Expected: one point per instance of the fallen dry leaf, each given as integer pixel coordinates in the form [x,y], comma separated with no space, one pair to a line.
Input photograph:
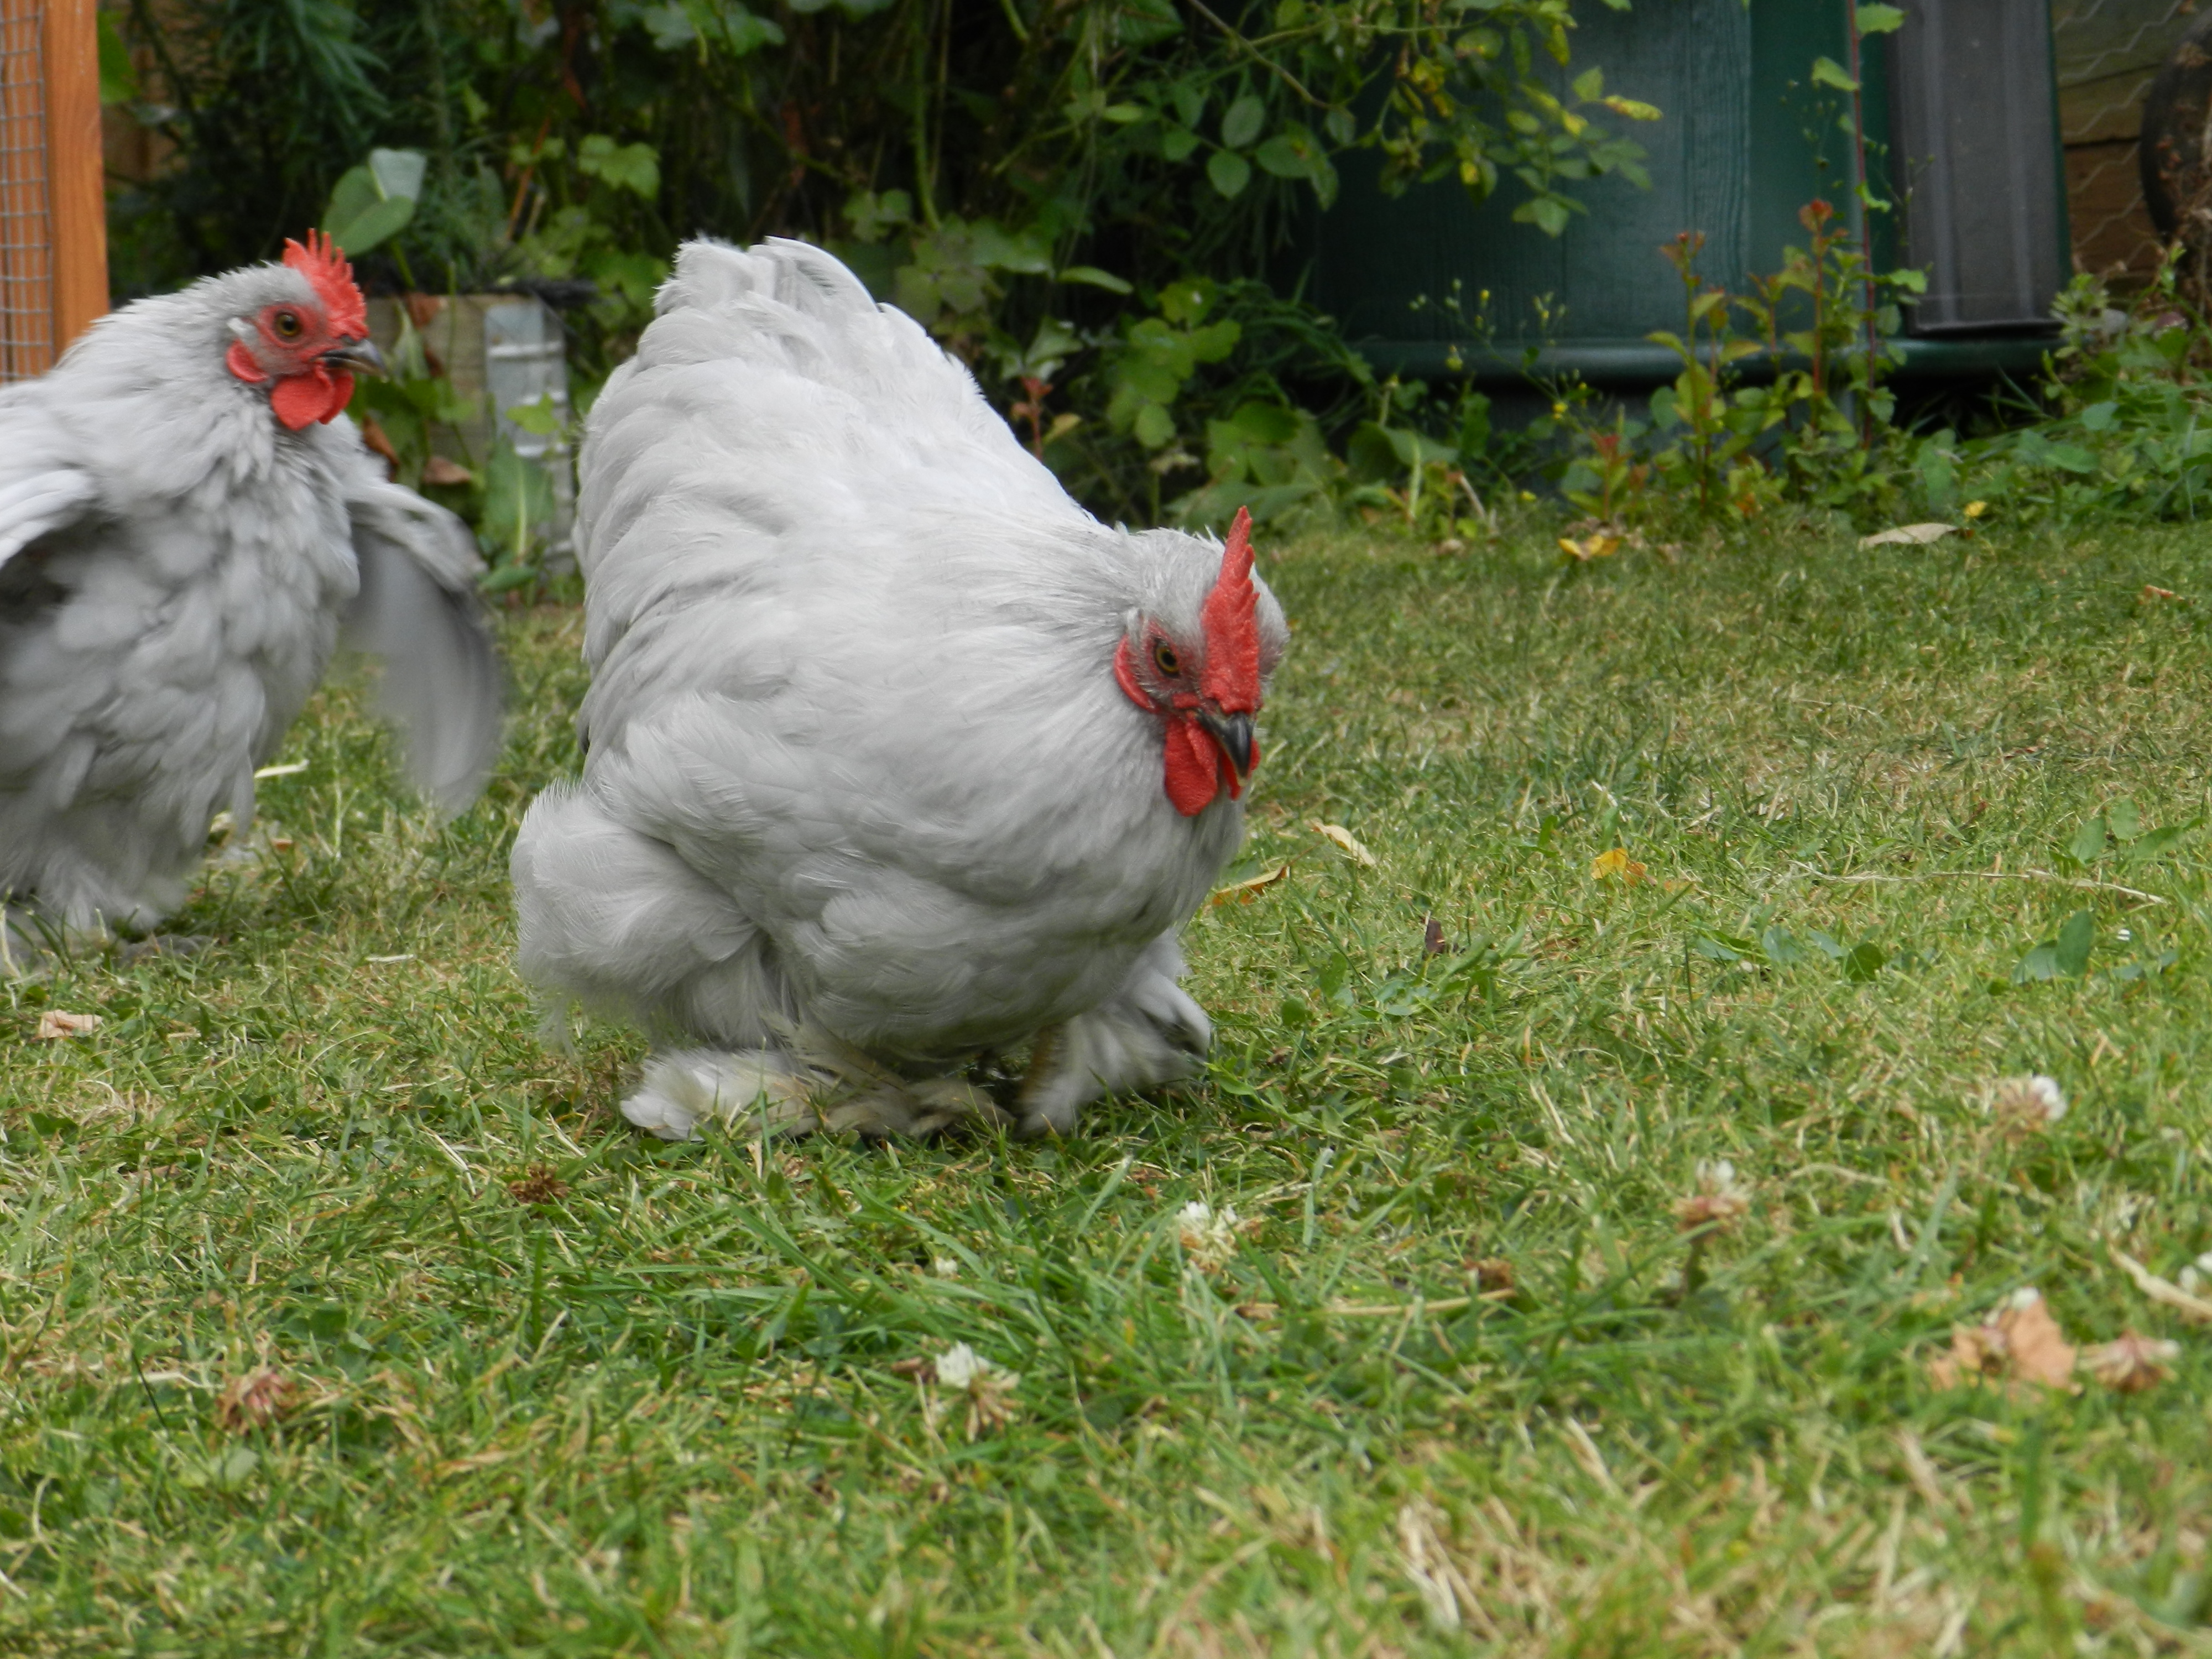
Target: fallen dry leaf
[1433,937]
[1348,843]
[537,1185]
[2022,1345]
[1600,546]
[1243,892]
[2151,593]
[249,1401]
[440,471]
[1618,863]
[54,1025]
[2132,1364]
[1493,1273]
[1909,535]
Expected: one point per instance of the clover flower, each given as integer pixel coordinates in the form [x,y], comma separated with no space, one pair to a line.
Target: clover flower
[1208,1239]
[1719,1202]
[2025,1106]
[987,1389]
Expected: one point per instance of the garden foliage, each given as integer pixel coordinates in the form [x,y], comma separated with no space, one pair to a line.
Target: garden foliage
[1090,202]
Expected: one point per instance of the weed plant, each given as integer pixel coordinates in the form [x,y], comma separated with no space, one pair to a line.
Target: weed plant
[1604,1104]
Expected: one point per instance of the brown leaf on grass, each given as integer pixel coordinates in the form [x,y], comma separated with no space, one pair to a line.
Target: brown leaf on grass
[1349,844]
[537,1185]
[1616,863]
[1597,546]
[1433,937]
[55,1024]
[2151,593]
[1243,892]
[1493,1273]
[256,1398]
[2133,1363]
[1909,535]
[2022,1345]
[440,471]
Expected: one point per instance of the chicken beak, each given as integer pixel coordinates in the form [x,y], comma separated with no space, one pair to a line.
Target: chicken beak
[356,354]
[1233,733]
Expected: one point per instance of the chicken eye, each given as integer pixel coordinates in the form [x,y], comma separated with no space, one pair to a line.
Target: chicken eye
[288,324]
[1164,658]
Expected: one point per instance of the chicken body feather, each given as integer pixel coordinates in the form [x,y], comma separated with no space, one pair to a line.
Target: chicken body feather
[860,775]
[176,567]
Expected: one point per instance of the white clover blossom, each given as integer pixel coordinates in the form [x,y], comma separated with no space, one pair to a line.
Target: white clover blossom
[1720,1201]
[2023,1106]
[1208,1239]
[945,1267]
[988,1388]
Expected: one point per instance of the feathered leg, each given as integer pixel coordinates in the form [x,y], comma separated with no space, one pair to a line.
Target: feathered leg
[1148,1033]
[826,1087]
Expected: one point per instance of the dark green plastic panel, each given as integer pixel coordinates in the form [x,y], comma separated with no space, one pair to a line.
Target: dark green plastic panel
[1745,140]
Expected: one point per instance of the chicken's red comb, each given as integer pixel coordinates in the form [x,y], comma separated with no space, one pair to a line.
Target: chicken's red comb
[323,263]
[1232,621]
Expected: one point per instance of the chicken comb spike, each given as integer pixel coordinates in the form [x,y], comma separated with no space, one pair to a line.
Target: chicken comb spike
[323,263]
[1232,621]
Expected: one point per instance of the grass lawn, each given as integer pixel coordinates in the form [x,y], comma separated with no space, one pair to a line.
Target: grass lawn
[339,1316]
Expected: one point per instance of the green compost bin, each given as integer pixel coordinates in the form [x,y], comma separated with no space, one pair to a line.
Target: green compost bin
[1429,284]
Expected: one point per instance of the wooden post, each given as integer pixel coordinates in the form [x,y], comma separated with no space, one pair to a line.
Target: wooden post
[76,192]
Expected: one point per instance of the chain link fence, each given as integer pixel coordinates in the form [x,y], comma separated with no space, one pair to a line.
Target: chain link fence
[27,298]
[2108,52]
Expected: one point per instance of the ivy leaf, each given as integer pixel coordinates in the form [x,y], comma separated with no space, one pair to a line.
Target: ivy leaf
[1879,20]
[1228,172]
[1828,72]
[1242,124]
[2088,843]
[633,168]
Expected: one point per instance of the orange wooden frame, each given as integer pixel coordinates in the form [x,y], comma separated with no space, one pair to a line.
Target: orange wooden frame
[76,188]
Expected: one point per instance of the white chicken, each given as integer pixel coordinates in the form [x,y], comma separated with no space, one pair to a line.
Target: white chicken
[187,519]
[895,756]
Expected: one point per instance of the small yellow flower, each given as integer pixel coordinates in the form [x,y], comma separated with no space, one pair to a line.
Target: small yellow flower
[1528,496]
[1558,410]
[1975,510]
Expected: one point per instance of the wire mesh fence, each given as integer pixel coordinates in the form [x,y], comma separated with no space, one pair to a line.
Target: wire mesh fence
[2108,52]
[26,270]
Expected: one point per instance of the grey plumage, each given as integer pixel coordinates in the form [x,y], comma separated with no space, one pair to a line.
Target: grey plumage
[175,564]
[862,798]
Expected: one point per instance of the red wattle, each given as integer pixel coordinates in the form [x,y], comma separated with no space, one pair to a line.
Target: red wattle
[240,362]
[1193,775]
[301,400]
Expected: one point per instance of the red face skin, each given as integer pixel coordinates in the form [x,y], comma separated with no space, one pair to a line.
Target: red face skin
[1207,705]
[290,343]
